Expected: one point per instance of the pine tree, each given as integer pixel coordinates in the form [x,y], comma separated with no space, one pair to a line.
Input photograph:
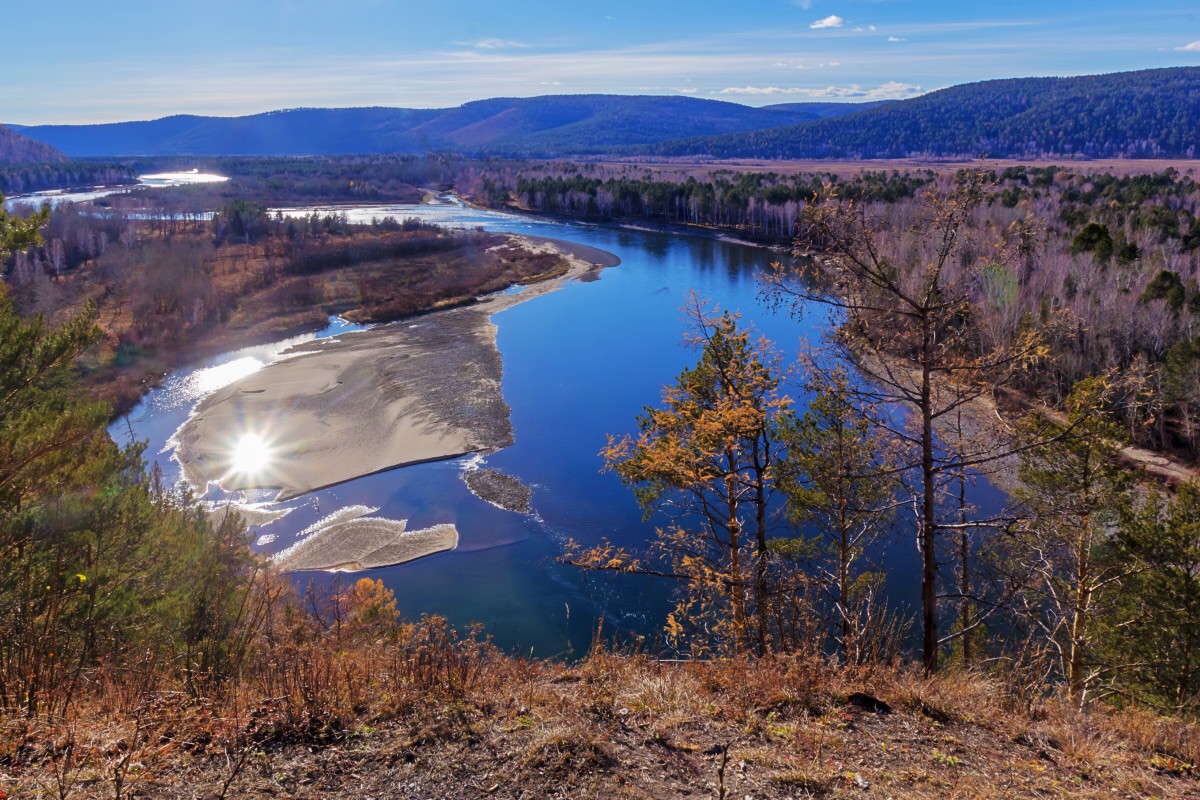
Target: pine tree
[1153,627]
[837,479]
[1074,492]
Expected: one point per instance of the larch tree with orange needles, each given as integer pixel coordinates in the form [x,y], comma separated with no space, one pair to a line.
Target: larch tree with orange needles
[707,459]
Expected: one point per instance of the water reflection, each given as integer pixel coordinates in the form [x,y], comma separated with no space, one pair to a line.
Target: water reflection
[210,379]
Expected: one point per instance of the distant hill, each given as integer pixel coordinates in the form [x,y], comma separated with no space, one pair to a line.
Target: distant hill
[550,125]
[18,149]
[1133,114]
[815,111]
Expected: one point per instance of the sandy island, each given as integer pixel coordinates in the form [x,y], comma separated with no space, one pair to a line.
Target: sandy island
[422,389]
[349,540]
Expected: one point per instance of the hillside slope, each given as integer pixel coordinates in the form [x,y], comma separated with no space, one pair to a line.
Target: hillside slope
[613,727]
[1150,113]
[815,111]
[16,148]
[549,125]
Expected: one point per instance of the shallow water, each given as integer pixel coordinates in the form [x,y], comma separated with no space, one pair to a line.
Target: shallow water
[579,363]
[55,197]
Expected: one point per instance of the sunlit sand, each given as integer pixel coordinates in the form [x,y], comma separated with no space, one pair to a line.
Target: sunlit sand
[348,541]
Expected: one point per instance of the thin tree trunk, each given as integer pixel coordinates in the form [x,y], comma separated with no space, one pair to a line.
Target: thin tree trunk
[928,524]
[1079,621]
[761,606]
[966,610]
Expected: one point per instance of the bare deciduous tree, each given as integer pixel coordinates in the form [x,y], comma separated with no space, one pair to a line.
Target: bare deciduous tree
[907,292]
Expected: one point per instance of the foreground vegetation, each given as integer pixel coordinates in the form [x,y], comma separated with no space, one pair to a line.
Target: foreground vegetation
[356,702]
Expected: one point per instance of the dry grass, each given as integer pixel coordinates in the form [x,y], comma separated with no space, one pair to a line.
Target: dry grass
[683,168]
[423,712]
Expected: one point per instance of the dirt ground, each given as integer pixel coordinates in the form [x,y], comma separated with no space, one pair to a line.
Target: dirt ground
[629,727]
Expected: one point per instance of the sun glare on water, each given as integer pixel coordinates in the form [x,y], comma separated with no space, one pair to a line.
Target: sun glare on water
[251,455]
[210,379]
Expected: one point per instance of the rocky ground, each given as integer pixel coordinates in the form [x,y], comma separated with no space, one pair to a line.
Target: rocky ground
[499,489]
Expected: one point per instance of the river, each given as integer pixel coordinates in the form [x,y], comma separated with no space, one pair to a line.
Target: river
[578,364]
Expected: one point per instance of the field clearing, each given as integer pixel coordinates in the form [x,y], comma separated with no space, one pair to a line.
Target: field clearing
[698,168]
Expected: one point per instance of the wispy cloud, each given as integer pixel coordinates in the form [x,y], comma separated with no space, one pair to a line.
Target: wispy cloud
[494,44]
[897,39]
[892,90]
[832,21]
[1194,47]
[806,65]
[805,4]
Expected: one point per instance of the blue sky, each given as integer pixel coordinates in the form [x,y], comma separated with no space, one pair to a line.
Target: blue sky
[86,61]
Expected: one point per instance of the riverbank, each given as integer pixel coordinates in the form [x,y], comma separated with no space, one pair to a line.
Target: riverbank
[203,298]
[421,390]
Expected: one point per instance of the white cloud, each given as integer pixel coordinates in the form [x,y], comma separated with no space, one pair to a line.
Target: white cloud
[832,21]
[806,65]
[892,90]
[760,90]
[496,44]
[1194,47]
[897,39]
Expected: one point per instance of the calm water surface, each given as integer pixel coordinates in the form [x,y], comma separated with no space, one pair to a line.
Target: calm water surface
[579,363]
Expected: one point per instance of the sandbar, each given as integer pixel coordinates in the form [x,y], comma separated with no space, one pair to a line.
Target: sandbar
[422,389]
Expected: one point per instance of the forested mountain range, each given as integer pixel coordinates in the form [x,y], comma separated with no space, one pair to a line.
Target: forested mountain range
[549,125]
[16,148]
[1149,113]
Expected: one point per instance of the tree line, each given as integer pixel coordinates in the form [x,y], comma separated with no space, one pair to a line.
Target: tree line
[27,178]
[759,206]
